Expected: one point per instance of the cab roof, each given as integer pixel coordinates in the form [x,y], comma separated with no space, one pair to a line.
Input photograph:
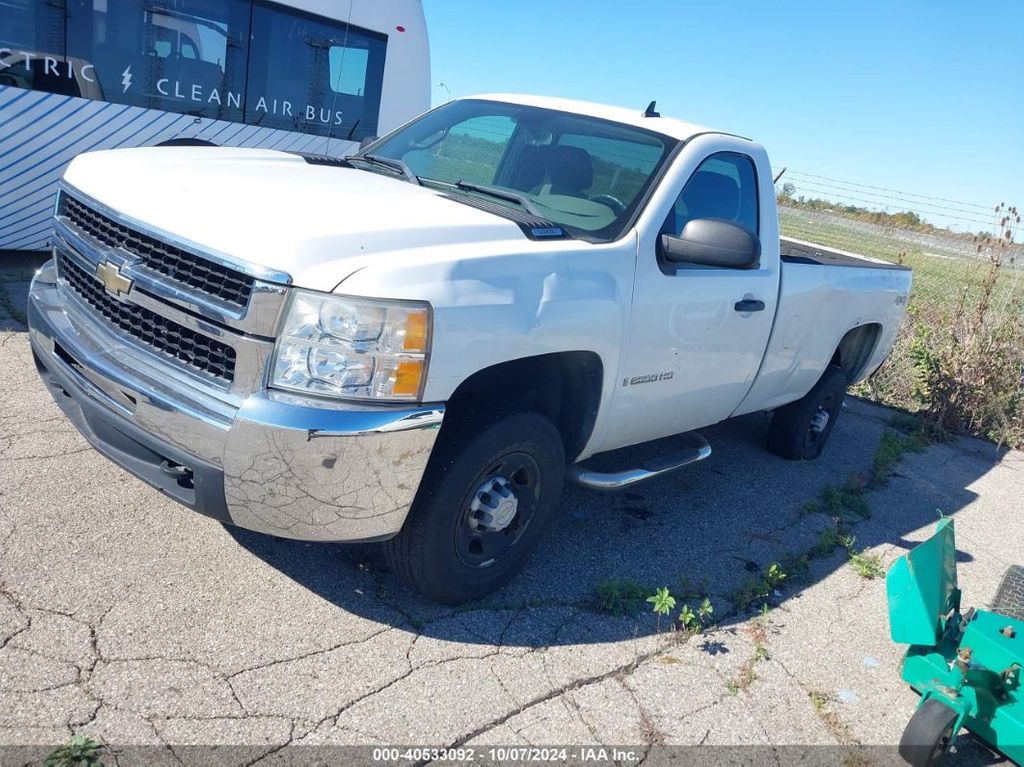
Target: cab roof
[669,126]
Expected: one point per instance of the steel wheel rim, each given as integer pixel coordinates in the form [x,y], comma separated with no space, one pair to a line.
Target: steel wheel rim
[475,545]
[820,421]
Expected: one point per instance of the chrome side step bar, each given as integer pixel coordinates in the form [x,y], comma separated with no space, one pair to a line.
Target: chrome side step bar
[596,480]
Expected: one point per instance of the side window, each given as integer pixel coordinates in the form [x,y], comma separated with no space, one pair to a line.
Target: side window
[183,56]
[723,186]
[470,151]
[312,75]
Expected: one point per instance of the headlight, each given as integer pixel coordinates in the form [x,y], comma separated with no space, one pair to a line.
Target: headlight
[353,347]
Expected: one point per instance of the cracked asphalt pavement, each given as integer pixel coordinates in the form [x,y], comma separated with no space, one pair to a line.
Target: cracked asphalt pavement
[129,619]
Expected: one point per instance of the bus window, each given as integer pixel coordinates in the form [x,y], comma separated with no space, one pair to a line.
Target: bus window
[186,56]
[315,77]
[28,25]
[32,47]
[348,69]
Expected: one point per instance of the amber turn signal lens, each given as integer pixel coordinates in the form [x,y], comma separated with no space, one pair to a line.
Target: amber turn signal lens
[415,332]
[408,378]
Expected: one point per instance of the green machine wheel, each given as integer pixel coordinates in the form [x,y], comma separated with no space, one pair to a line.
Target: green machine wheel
[928,734]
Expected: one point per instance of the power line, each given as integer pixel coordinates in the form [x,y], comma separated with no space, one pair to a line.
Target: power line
[896,191]
[979,222]
[908,205]
[911,203]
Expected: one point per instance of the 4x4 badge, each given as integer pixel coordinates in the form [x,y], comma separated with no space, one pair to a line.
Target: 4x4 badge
[115,282]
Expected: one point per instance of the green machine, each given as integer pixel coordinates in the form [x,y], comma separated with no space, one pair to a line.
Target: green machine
[965,664]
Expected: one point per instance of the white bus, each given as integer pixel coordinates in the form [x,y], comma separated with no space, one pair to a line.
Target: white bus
[312,76]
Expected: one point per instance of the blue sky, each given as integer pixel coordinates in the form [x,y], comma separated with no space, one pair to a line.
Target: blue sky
[924,98]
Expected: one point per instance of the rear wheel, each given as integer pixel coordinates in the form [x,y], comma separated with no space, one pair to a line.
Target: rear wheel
[1009,599]
[484,502]
[929,734]
[800,430]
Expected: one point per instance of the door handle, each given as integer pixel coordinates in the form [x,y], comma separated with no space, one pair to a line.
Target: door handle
[749,305]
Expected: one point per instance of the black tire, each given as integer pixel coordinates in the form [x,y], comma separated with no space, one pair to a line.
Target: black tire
[186,142]
[796,432]
[929,734]
[445,548]
[1009,599]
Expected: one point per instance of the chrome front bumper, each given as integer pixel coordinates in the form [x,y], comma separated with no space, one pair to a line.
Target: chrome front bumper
[276,463]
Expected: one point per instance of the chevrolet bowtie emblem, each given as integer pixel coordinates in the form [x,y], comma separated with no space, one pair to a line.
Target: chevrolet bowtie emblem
[115,282]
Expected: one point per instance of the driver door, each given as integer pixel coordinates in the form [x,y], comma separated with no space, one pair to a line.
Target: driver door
[692,352]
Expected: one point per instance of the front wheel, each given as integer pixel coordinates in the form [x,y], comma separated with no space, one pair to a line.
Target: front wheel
[929,734]
[800,429]
[484,502]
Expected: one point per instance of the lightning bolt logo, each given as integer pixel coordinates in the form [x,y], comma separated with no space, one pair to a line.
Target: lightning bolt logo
[126,78]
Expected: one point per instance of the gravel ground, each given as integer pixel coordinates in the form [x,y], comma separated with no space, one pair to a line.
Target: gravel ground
[129,619]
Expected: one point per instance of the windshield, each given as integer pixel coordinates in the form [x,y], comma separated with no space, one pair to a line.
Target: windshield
[585,174]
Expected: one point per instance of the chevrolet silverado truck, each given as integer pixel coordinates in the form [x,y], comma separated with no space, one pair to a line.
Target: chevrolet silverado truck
[420,343]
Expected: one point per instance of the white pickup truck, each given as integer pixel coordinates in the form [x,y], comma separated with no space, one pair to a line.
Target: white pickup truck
[420,343]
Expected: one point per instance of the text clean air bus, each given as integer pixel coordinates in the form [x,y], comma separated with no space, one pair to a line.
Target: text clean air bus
[311,76]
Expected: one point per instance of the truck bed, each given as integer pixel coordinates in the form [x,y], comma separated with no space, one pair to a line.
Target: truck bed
[823,293]
[801,252]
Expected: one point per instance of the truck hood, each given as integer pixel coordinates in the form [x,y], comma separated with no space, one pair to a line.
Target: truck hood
[318,223]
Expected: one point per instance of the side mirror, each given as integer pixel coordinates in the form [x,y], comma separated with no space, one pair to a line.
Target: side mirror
[366,141]
[713,242]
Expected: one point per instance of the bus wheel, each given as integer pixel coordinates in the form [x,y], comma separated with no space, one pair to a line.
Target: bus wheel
[186,142]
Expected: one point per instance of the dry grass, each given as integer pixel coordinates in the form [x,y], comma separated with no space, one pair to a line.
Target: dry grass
[959,357]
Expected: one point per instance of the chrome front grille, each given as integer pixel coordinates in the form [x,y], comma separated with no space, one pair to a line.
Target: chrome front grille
[187,269]
[175,341]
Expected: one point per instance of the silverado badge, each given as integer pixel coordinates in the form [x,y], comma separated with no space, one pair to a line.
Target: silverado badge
[112,279]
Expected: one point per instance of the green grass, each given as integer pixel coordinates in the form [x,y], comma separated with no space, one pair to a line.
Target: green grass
[868,566]
[938,281]
[621,597]
[80,751]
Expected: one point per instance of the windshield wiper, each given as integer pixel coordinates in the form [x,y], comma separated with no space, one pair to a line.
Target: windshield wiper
[387,162]
[501,194]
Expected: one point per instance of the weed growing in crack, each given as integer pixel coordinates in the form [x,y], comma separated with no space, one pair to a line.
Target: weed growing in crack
[759,587]
[687,619]
[80,751]
[846,505]
[842,501]
[891,448]
[687,592]
[663,603]
[924,431]
[747,673]
[693,620]
[830,539]
[868,566]
[620,597]
[811,507]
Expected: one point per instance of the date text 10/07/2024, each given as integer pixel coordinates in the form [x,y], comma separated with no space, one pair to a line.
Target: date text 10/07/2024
[505,754]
